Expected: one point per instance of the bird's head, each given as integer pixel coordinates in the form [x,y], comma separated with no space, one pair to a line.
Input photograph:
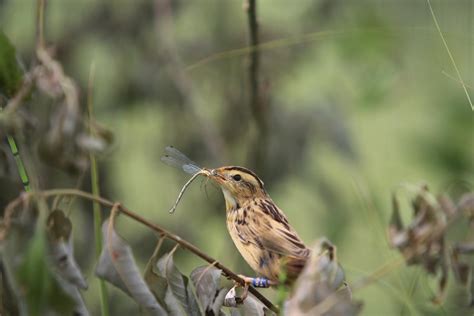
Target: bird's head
[238,184]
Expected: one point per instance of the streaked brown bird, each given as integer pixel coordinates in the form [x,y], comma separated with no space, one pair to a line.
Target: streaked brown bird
[259,229]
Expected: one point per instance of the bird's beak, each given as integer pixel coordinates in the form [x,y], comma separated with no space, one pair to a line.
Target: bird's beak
[215,175]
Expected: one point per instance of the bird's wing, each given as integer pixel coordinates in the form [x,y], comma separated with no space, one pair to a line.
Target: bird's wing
[275,233]
[282,239]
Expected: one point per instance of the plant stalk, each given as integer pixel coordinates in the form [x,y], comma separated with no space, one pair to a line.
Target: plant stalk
[104,304]
[9,210]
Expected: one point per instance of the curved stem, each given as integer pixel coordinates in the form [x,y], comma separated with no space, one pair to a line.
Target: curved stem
[163,232]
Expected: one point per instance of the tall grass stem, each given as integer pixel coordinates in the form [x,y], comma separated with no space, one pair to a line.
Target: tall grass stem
[104,304]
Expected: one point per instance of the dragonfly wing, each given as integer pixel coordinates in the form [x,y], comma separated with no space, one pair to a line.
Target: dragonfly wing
[177,159]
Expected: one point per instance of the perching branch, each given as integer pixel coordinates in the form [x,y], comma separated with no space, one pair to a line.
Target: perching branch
[10,209]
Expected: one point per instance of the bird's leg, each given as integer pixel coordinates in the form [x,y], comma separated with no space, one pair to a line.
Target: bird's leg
[255,282]
[258,282]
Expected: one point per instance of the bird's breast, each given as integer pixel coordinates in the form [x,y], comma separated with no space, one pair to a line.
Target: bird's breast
[245,235]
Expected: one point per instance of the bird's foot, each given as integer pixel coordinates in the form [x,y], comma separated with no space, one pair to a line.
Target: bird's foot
[255,282]
[247,283]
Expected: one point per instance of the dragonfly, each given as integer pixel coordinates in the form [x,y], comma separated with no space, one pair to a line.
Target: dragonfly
[174,158]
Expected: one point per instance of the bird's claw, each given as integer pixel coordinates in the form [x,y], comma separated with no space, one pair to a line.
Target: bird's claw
[255,282]
[247,283]
[259,282]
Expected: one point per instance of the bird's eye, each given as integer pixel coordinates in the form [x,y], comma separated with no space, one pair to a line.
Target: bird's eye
[236,177]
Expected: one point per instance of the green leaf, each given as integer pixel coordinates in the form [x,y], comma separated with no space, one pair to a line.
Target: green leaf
[42,290]
[10,72]
[117,266]
[69,276]
[38,290]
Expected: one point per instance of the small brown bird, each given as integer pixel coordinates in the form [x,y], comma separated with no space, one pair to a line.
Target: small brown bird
[259,229]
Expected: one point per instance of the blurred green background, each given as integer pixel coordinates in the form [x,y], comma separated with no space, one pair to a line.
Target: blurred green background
[357,96]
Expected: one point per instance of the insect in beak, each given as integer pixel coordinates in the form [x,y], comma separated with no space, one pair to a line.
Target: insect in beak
[177,159]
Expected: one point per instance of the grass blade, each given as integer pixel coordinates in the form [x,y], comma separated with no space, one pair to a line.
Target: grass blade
[458,73]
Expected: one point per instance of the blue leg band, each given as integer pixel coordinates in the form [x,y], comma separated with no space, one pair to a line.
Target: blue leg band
[260,282]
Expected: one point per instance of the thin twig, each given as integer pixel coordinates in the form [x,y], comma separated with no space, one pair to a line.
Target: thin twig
[159,243]
[269,45]
[127,212]
[204,272]
[254,56]
[22,93]
[40,9]
[256,103]
[70,202]
[456,79]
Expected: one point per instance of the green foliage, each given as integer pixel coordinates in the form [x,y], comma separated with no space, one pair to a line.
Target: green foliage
[11,75]
[32,280]
[43,292]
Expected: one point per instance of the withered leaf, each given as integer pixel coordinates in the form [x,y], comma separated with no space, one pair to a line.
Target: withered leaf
[59,229]
[253,307]
[178,284]
[206,280]
[466,205]
[41,290]
[321,278]
[463,272]
[250,306]
[174,306]
[117,266]
[153,278]
[423,241]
